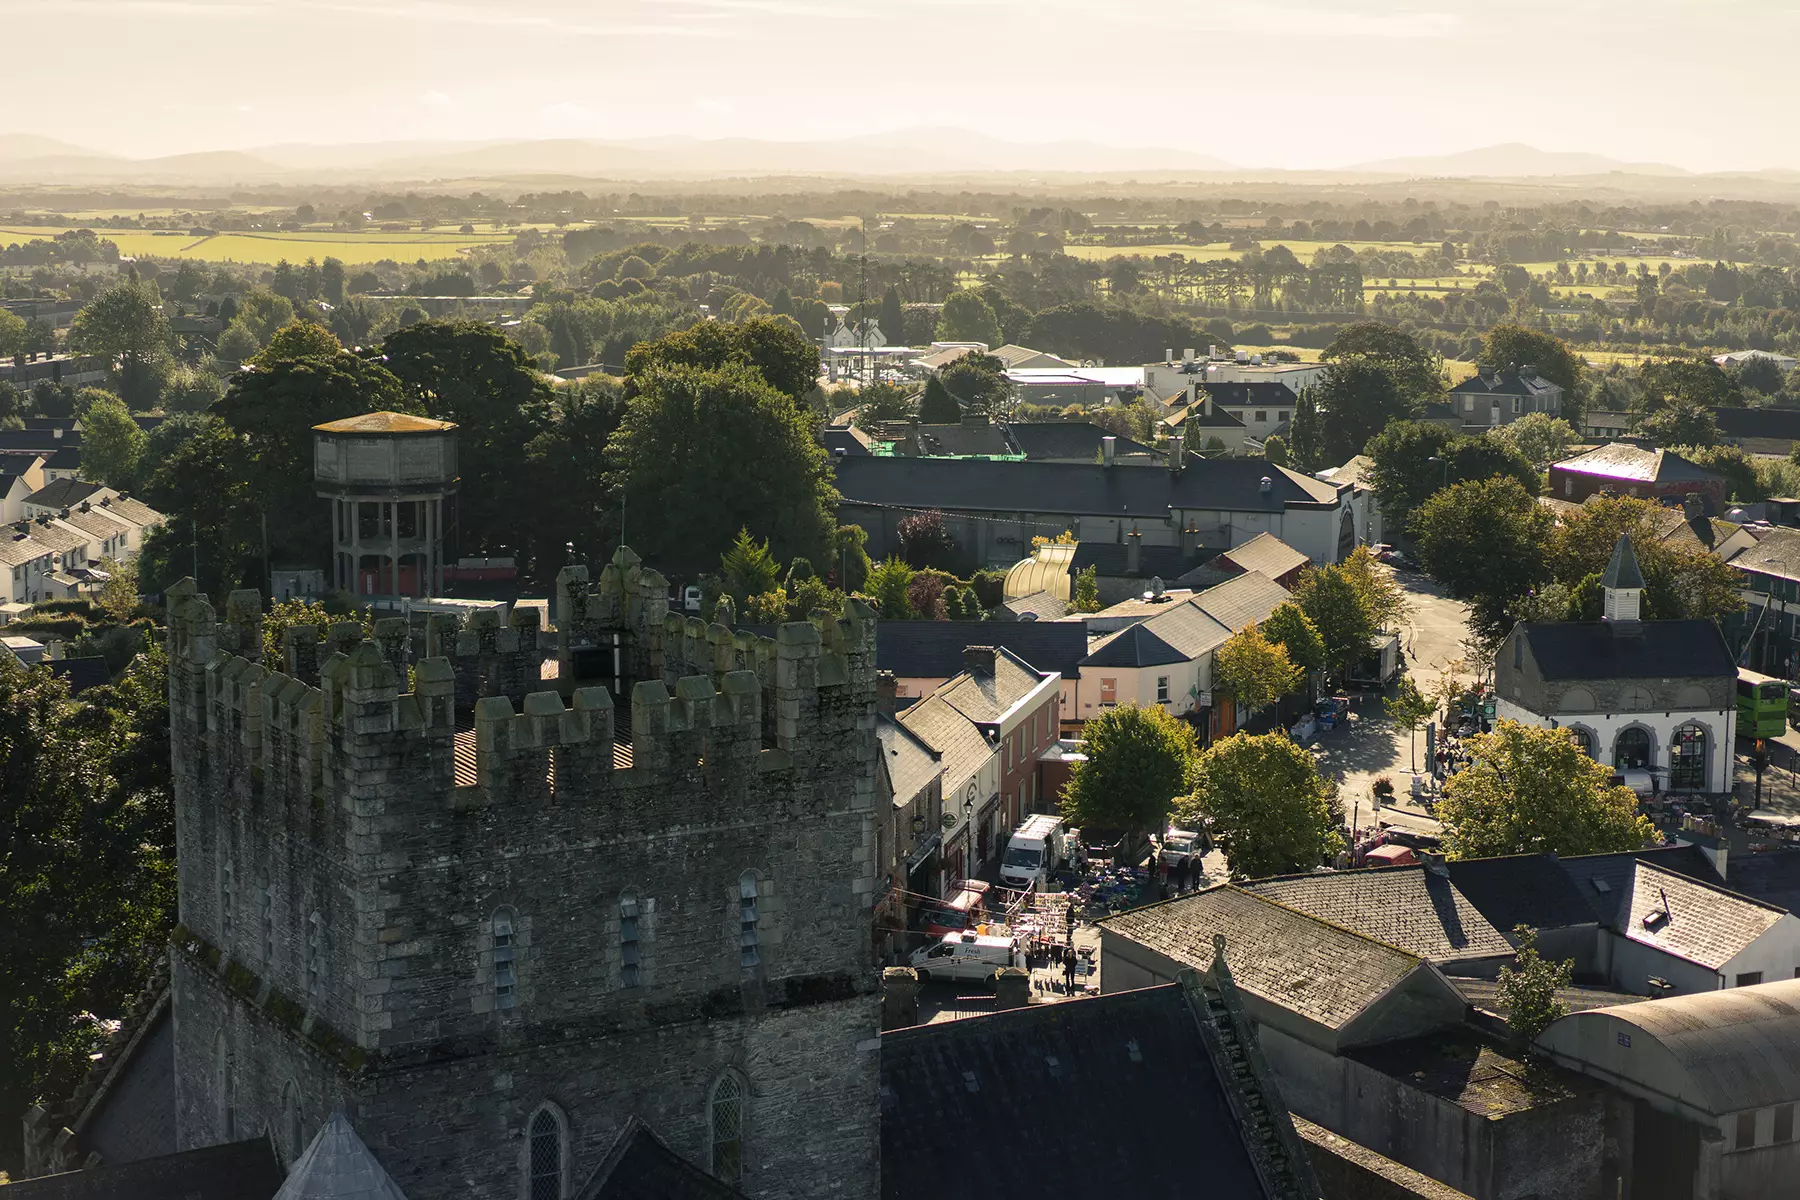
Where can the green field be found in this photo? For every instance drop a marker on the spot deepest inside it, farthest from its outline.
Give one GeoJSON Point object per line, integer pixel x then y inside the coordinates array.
{"type": "Point", "coordinates": [270, 248]}
{"type": "Point", "coordinates": [1301, 250]}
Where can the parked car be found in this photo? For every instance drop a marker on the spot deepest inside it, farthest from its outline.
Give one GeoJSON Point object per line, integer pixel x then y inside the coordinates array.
{"type": "Point", "coordinates": [1179, 848]}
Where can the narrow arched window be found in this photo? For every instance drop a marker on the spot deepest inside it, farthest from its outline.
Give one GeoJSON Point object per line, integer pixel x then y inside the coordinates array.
{"type": "Point", "coordinates": [315, 930]}
{"type": "Point", "coordinates": [725, 1125]}
{"type": "Point", "coordinates": [631, 971]}
{"type": "Point", "coordinates": [544, 1156]}
{"type": "Point", "coordinates": [506, 979]}
{"type": "Point", "coordinates": [290, 1121]}
{"type": "Point", "coordinates": [749, 943]}
{"type": "Point", "coordinates": [227, 900]}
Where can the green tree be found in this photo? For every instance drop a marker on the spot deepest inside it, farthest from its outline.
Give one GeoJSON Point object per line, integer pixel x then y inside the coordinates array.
{"type": "Point", "coordinates": [1271, 810]}
{"type": "Point", "coordinates": [1275, 450]}
{"type": "Point", "coordinates": [125, 324]}
{"type": "Point", "coordinates": [237, 344]}
{"type": "Point", "coordinates": [748, 569]}
{"type": "Point", "coordinates": [850, 558]}
{"type": "Point", "coordinates": [966, 317]}
{"type": "Point", "coordinates": [291, 614]}
{"type": "Point", "coordinates": [701, 454]}
{"type": "Point", "coordinates": [191, 390]}
{"type": "Point", "coordinates": [1330, 600]}
{"type": "Point", "coordinates": [938, 406]}
{"type": "Point", "coordinates": [1307, 434]}
{"type": "Point", "coordinates": [1416, 372]}
{"type": "Point", "coordinates": [1356, 400]}
{"type": "Point", "coordinates": [111, 444]}
{"type": "Point", "coordinates": [262, 314]}
{"type": "Point", "coordinates": [781, 354]}
{"type": "Point", "coordinates": [1085, 592]}
{"type": "Point", "coordinates": [1252, 670]}
{"type": "Point", "coordinates": [1533, 791]}
{"type": "Point", "coordinates": [578, 509]}
{"type": "Point", "coordinates": [1528, 991]}
{"type": "Point", "coordinates": [202, 484]}
{"type": "Point", "coordinates": [1539, 438]}
{"type": "Point", "coordinates": [893, 317]}
{"type": "Point", "coordinates": [298, 339]}
{"type": "Point", "coordinates": [1138, 761]}
{"type": "Point", "coordinates": [1487, 542]}
{"type": "Point", "coordinates": [1681, 582]}
{"type": "Point", "coordinates": [1680, 424]}
{"type": "Point", "coordinates": [884, 402]}
{"type": "Point", "coordinates": [978, 381]}
{"type": "Point", "coordinates": [1410, 708]}
{"type": "Point", "coordinates": [890, 586]}
{"type": "Point", "coordinates": [1694, 381]}
{"type": "Point", "coordinates": [13, 333]}
{"type": "Point", "coordinates": [1290, 628]}
{"type": "Point", "coordinates": [1509, 347]}
{"type": "Point", "coordinates": [1382, 599]}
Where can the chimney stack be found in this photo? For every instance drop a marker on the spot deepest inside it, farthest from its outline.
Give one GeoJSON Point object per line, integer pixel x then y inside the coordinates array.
{"type": "Point", "coordinates": [1109, 450]}
{"type": "Point", "coordinates": [978, 660]}
{"type": "Point", "coordinates": [1177, 453]}
{"type": "Point", "coordinates": [887, 693]}
{"type": "Point", "coordinates": [1134, 553]}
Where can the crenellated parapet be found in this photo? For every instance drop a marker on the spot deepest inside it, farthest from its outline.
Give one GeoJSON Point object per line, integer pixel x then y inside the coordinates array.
{"type": "Point", "coordinates": [623, 609]}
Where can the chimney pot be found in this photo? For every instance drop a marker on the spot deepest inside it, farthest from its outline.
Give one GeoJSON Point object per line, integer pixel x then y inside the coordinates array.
{"type": "Point", "coordinates": [1109, 450]}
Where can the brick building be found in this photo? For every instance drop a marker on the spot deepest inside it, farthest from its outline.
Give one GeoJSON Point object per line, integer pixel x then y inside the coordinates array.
{"type": "Point", "coordinates": [1626, 470]}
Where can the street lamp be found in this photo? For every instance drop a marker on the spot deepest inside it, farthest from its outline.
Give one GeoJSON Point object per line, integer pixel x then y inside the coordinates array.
{"type": "Point", "coordinates": [969, 833]}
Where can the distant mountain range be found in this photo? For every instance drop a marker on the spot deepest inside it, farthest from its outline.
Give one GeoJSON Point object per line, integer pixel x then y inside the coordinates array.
{"type": "Point", "coordinates": [916, 153]}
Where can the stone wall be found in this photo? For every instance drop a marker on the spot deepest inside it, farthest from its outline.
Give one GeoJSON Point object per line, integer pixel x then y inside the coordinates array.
{"type": "Point", "coordinates": [346, 851]}
{"type": "Point", "coordinates": [1348, 1171]}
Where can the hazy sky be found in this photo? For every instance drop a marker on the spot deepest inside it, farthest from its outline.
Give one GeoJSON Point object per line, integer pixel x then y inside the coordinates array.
{"type": "Point", "coordinates": [1306, 83]}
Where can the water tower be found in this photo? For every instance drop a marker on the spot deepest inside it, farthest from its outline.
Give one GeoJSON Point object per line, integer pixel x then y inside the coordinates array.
{"type": "Point", "coordinates": [386, 475]}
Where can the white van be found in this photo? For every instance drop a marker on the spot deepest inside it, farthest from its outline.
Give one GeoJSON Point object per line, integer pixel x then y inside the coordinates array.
{"type": "Point", "coordinates": [1034, 851]}
{"type": "Point", "coordinates": [966, 956]}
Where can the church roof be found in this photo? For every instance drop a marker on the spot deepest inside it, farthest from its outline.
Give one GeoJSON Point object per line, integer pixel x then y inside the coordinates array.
{"type": "Point", "coordinates": [640, 1167]}
{"type": "Point", "coordinates": [337, 1166]}
{"type": "Point", "coordinates": [1622, 571]}
{"type": "Point", "coordinates": [246, 1170]}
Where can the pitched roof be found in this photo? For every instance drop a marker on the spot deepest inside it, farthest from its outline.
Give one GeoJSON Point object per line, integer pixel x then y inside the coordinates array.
{"type": "Point", "coordinates": [640, 1166]}
{"type": "Point", "coordinates": [50, 533]}
{"type": "Point", "coordinates": [1621, 460]}
{"type": "Point", "coordinates": [1252, 393]}
{"type": "Point", "coordinates": [17, 548]}
{"type": "Point", "coordinates": [1605, 880]}
{"type": "Point", "coordinates": [1246, 600]}
{"type": "Point", "coordinates": [1140, 608]}
{"type": "Point", "coordinates": [385, 422]}
{"type": "Point", "coordinates": [979, 485]}
{"type": "Point", "coordinates": [961, 746]}
{"type": "Point", "coordinates": [1012, 355]}
{"type": "Point", "coordinates": [41, 441]}
{"type": "Point", "coordinates": [1411, 907]}
{"type": "Point", "coordinates": [1503, 383]}
{"type": "Point", "coordinates": [1622, 571]}
{"type": "Point", "coordinates": [338, 1166]}
{"type": "Point", "coordinates": [1068, 439]}
{"type": "Point", "coordinates": [1179, 633]}
{"type": "Point", "coordinates": [1773, 878]}
{"type": "Point", "coordinates": [66, 492]}
{"type": "Point", "coordinates": [131, 510]}
{"type": "Point", "coordinates": [1760, 421]}
{"type": "Point", "coordinates": [911, 764]}
{"type": "Point", "coordinates": [1702, 924]}
{"type": "Point", "coordinates": [1134, 646]}
{"type": "Point", "coordinates": [1266, 553]}
{"type": "Point", "coordinates": [845, 439]}
{"type": "Point", "coordinates": [934, 649]}
{"type": "Point", "coordinates": [1113, 560]}
{"type": "Point", "coordinates": [1288, 958]}
{"type": "Point", "coordinates": [964, 437]}
{"type": "Point", "coordinates": [1039, 606]}
{"type": "Point", "coordinates": [1583, 650]}
{"type": "Point", "coordinates": [1521, 889]}
{"type": "Point", "coordinates": [1776, 552]}
{"type": "Point", "coordinates": [1155, 1100]}
{"type": "Point", "coordinates": [95, 522]}
{"type": "Point", "coordinates": [983, 696]}
{"type": "Point", "coordinates": [246, 1170]}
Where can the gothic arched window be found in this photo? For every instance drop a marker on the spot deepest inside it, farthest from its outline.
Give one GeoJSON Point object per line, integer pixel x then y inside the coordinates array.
{"type": "Point", "coordinates": [725, 1127]}
{"type": "Point", "coordinates": [545, 1155]}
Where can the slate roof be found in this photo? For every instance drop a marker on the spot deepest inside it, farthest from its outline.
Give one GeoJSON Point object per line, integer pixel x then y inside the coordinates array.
{"type": "Point", "coordinates": [979, 485]}
{"type": "Point", "coordinates": [336, 1165]}
{"type": "Point", "coordinates": [1311, 967]}
{"type": "Point", "coordinates": [1776, 553]}
{"type": "Point", "coordinates": [1266, 553]}
{"type": "Point", "coordinates": [66, 459]}
{"type": "Point", "coordinates": [1180, 633]}
{"type": "Point", "coordinates": [385, 422]}
{"type": "Point", "coordinates": [1675, 527]}
{"type": "Point", "coordinates": [1758, 422]}
{"type": "Point", "coordinates": [640, 1166]}
{"type": "Point", "coordinates": [1617, 871]}
{"type": "Point", "coordinates": [1252, 394]}
{"type": "Point", "coordinates": [1584, 650]}
{"type": "Point", "coordinates": [842, 439]}
{"type": "Point", "coordinates": [247, 1170]}
{"type": "Point", "coordinates": [17, 548]}
{"type": "Point", "coordinates": [47, 533]}
{"type": "Point", "coordinates": [1112, 560]}
{"type": "Point", "coordinates": [130, 509]}
{"type": "Point", "coordinates": [64, 493]}
{"type": "Point", "coordinates": [1773, 878]}
{"type": "Point", "coordinates": [1521, 889]}
{"type": "Point", "coordinates": [985, 697]}
{"type": "Point", "coordinates": [1068, 439]}
{"type": "Point", "coordinates": [1621, 460]}
{"type": "Point", "coordinates": [1410, 907]}
{"type": "Point", "coordinates": [1622, 571]}
{"type": "Point", "coordinates": [962, 438]}
{"type": "Point", "coordinates": [1153, 1109]}
{"type": "Point", "coordinates": [1134, 646]}
{"type": "Point", "coordinates": [962, 748]}
{"type": "Point", "coordinates": [1246, 600]}
{"type": "Point", "coordinates": [1503, 383]}
{"type": "Point", "coordinates": [96, 522]}
{"type": "Point", "coordinates": [911, 764]}
{"type": "Point", "coordinates": [1039, 606]}
{"type": "Point", "coordinates": [934, 649]}
{"type": "Point", "coordinates": [1702, 924]}
{"type": "Point", "coordinates": [1137, 606]}
{"type": "Point", "coordinates": [40, 441]}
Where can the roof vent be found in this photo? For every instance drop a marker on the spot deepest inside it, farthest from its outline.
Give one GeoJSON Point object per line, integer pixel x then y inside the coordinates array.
{"type": "Point", "coordinates": [1600, 885]}
{"type": "Point", "coordinates": [1267, 485]}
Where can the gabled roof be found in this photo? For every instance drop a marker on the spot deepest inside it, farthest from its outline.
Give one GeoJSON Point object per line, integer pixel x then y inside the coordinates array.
{"type": "Point", "coordinates": [981, 696]}
{"type": "Point", "coordinates": [964, 437]}
{"type": "Point", "coordinates": [845, 439]}
{"type": "Point", "coordinates": [1287, 958]}
{"type": "Point", "coordinates": [1080, 440]}
{"type": "Point", "coordinates": [385, 422]}
{"type": "Point", "coordinates": [1410, 907]}
{"type": "Point", "coordinates": [1773, 878]}
{"type": "Point", "coordinates": [246, 1170]}
{"type": "Point", "coordinates": [41, 441]}
{"type": "Point", "coordinates": [980, 485]}
{"type": "Point", "coordinates": [131, 510]}
{"type": "Point", "coordinates": [1692, 920]}
{"type": "Point", "coordinates": [1621, 460]}
{"type": "Point", "coordinates": [911, 764]}
{"type": "Point", "coordinates": [65, 493]}
{"type": "Point", "coordinates": [934, 649]}
{"type": "Point", "coordinates": [338, 1166]}
{"type": "Point", "coordinates": [1013, 356]}
{"type": "Point", "coordinates": [1247, 600]}
{"type": "Point", "coordinates": [95, 522]}
{"type": "Point", "coordinates": [1591, 650]}
{"type": "Point", "coordinates": [1266, 553]}
{"type": "Point", "coordinates": [18, 548]}
{"type": "Point", "coordinates": [1161, 1100]}
{"type": "Point", "coordinates": [1503, 383]}
{"type": "Point", "coordinates": [1521, 889]}
{"type": "Point", "coordinates": [1180, 633]}
{"type": "Point", "coordinates": [1134, 646]}
{"type": "Point", "coordinates": [1776, 552]}
{"type": "Point", "coordinates": [1039, 606]}
{"type": "Point", "coordinates": [640, 1166]}
{"type": "Point", "coordinates": [961, 746]}
{"type": "Point", "coordinates": [52, 534]}
{"type": "Point", "coordinates": [1761, 421]}
{"type": "Point", "coordinates": [1605, 880]}
{"type": "Point", "coordinates": [1270, 393]}
{"type": "Point", "coordinates": [1113, 560]}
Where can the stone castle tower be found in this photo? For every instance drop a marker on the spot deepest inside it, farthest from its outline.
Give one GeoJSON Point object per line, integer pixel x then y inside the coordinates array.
{"type": "Point", "coordinates": [492, 933]}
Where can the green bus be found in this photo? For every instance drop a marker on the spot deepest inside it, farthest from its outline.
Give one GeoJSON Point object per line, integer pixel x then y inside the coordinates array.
{"type": "Point", "coordinates": [1762, 703]}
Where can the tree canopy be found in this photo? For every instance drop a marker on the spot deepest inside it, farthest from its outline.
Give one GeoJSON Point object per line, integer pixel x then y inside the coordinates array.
{"type": "Point", "coordinates": [1487, 542]}
{"type": "Point", "coordinates": [1138, 761]}
{"type": "Point", "coordinates": [1356, 399]}
{"type": "Point", "coordinates": [1415, 372]}
{"type": "Point", "coordinates": [781, 354]}
{"type": "Point", "coordinates": [125, 323]}
{"type": "Point", "coordinates": [1330, 600]}
{"type": "Point", "coordinates": [1509, 347]}
{"type": "Point", "coordinates": [1271, 810]}
{"type": "Point", "coordinates": [1528, 790]}
{"type": "Point", "coordinates": [1290, 628]}
{"type": "Point", "coordinates": [967, 317]}
{"type": "Point", "coordinates": [1254, 671]}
